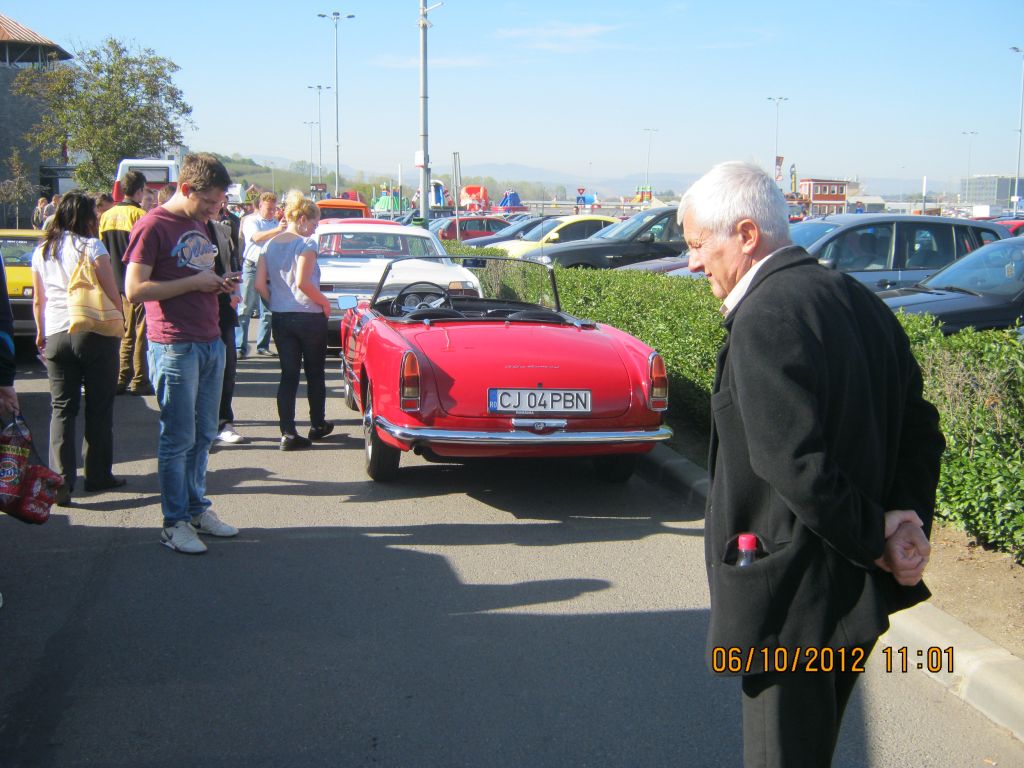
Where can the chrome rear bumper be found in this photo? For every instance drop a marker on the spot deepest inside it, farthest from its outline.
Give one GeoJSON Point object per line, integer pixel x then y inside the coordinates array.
{"type": "Point", "coordinates": [520, 437]}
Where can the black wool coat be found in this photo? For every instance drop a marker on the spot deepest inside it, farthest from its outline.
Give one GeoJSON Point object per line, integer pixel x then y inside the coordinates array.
{"type": "Point", "coordinates": [819, 427]}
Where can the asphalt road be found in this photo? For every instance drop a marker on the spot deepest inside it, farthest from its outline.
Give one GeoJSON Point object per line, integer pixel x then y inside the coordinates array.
{"type": "Point", "coordinates": [492, 614]}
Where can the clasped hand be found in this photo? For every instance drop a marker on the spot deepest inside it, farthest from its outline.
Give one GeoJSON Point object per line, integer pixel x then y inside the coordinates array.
{"type": "Point", "coordinates": [907, 549]}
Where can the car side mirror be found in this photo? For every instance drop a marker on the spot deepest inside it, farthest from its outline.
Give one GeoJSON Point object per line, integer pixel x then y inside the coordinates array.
{"type": "Point", "coordinates": [519, 235]}
{"type": "Point", "coordinates": [827, 263]}
{"type": "Point", "coordinates": [552, 237]}
{"type": "Point", "coordinates": [646, 237]}
{"type": "Point", "coordinates": [347, 302]}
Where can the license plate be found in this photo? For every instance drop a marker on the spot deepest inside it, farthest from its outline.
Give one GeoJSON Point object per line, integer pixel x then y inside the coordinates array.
{"type": "Point", "coordinates": [538, 400]}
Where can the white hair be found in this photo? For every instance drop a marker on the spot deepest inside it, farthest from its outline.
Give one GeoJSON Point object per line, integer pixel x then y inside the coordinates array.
{"type": "Point", "coordinates": [733, 191]}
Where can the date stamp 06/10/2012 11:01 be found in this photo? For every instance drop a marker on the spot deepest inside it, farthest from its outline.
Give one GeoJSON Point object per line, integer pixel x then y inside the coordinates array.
{"type": "Point", "coordinates": [738, 660]}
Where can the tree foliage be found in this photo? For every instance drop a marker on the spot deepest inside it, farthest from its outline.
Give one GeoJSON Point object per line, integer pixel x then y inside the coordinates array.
{"type": "Point", "coordinates": [112, 102]}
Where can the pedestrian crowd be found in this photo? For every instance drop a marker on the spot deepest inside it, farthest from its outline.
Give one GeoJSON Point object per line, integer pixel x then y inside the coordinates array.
{"type": "Point", "coordinates": [188, 276]}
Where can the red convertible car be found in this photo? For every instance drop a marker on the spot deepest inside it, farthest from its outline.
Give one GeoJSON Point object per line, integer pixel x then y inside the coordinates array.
{"type": "Point", "coordinates": [497, 369]}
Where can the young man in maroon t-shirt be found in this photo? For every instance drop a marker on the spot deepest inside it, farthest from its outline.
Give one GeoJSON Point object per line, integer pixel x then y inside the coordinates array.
{"type": "Point", "coordinates": [171, 269]}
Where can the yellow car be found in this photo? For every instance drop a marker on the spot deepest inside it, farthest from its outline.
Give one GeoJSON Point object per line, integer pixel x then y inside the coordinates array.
{"type": "Point", "coordinates": [16, 246]}
{"type": "Point", "coordinates": [562, 229]}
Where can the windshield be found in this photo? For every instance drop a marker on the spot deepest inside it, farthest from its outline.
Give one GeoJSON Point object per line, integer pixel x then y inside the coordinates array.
{"type": "Point", "coordinates": [17, 252]}
{"type": "Point", "coordinates": [624, 230]}
{"type": "Point", "coordinates": [525, 225]}
{"type": "Point", "coordinates": [804, 233]}
{"type": "Point", "coordinates": [537, 233]}
{"type": "Point", "coordinates": [478, 287]}
{"type": "Point", "coordinates": [341, 213]}
{"type": "Point", "coordinates": [997, 269]}
{"type": "Point", "coordinates": [376, 245]}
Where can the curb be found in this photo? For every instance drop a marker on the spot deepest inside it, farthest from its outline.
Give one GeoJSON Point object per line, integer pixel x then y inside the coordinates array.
{"type": "Point", "coordinates": [978, 671]}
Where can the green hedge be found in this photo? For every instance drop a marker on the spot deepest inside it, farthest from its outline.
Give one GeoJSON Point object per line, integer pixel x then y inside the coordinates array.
{"type": "Point", "coordinates": [675, 315]}
{"type": "Point", "coordinates": [975, 379]}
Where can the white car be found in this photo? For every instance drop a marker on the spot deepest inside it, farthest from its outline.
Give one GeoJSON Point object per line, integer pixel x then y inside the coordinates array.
{"type": "Point", "coordinates": [353, 256]}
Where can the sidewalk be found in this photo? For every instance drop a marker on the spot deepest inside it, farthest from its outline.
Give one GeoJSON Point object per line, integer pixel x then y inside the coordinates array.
{"type": "Point", "coordinates": [985, 675]}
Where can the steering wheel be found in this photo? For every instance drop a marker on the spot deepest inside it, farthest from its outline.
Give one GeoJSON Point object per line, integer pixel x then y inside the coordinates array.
{"type": "Point", "coordinates": [422, 295]}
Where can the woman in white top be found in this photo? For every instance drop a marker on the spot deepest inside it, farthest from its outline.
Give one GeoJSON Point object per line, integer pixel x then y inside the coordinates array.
{"type": "Point", "coordinates": [76, 359]}
{"type": "Point", "coordinates": [288, 280]}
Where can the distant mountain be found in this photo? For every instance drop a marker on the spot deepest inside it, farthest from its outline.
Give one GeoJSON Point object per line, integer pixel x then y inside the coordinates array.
{"type": "Point", "coordinates": [511, 173]}
{"type": "Point", "coordinates": [271, 161]}
{"type": "Point", "coordinates": [517, 172]}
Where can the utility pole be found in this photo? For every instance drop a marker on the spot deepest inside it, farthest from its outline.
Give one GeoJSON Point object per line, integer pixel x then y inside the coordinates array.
{"type": "Point", "coordinates": [650, 139]}
{"type": "Point", "coordinates": [967, 186]}
{"type": "Point", "coordinates": [1020, 133]}
{"type": "Point", "coordinates": [310, 123]}
{"type": "Point", "coordinates": [778, 117]}
{"type": "Point", "coordinates": [424, 25]}
{"type": "Point", "coordinates": [336, 17]}
{"type": "Point", "coordinates": [320, 132]}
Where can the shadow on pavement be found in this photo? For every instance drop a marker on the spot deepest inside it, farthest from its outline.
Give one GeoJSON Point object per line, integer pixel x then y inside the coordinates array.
{"type": "Point", "coordinates": [343, 645]}
{"type": "Point", "coordinates": [335, 646]}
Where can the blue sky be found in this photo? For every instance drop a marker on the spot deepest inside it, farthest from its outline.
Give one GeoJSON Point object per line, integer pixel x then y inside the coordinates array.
{"type": "Point", "coordinates": [875, 89]}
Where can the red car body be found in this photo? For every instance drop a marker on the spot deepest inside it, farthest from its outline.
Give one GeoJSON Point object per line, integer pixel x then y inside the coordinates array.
{"type": "Point", "coordinates": [470, 227]}
{"type": "Point", "coordinates": [492, 377]}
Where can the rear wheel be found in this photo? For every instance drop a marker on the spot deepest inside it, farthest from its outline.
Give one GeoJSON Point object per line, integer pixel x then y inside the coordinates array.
{"type": "Point", "coordinates": [381, 458]}
{"type": "Point", "coordinates": [616, 469]}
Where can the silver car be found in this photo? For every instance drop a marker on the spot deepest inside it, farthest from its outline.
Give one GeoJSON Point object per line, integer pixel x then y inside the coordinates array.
{"type": "Point", "coordinates": [886, 251]}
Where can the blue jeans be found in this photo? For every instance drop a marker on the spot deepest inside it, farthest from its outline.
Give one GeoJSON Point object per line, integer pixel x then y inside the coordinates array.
{"type": "Point", "coordinates": [187, 378]}
{"type": "Point", "coordinates": [251, 301]}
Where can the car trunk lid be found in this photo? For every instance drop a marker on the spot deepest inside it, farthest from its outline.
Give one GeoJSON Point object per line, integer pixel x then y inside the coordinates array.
{"type": "Point", "coordinates": [474, 364]}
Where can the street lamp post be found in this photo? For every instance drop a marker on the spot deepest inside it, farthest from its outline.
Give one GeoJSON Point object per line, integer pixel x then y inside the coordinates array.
{"type": "Point", "coordinates": [1020, 131]}
{"type": "Point", "coordinates": [424, 25]}
{"type": "Point", "coordinates": [778, 116]}
{"type": "Point", "coordinates": [310, 123]}
{"type": "Point", "coordinates": [650, 138]}
{"type": "Point", "coordinates": [335, 17]}
{"type": "Point", "coordinates": [967, 187]}
{"type": "Point", "coordinates": [320, 131]}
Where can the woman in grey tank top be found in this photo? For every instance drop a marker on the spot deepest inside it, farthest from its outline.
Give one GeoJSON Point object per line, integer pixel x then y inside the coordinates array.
{"type": "Point", "coordinates": [288, 279]}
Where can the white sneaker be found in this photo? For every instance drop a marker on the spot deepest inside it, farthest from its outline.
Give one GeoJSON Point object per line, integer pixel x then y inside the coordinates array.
{"type": "Point", "coordinates": [211, 525]}
{"type": "Point", "coordinates": [182, 537]}
{"type": "Point", "coordinates": [229, 436]}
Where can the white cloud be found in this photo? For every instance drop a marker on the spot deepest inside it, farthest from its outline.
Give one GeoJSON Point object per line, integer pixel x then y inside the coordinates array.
{"type": "Point", "coordinates": [413, 62]}
{"type": "Point", "coordinates": [560, 37]}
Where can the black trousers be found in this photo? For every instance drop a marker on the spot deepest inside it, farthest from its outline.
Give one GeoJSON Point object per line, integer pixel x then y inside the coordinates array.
{"type": "Point", "coordinates": [227, 392]}
{"type": "Point", "coordinates": [792, 719]}
{"type": "Point", "coordinates": [74, 360]}
{"type": "Point", "coordinates": [301, 339]}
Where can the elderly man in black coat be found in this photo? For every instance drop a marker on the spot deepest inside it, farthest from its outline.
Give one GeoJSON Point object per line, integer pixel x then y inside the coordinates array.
{"type": "Point", "coordinates": [823, 447]}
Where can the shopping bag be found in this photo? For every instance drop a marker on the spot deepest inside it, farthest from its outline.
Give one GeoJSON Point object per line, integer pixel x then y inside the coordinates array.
{"type": "Point", "coordinates": [15, 447]}
{"type": "Point", "coordinates": [37, 485]}
{"type": "Point", "coordinates": [39, 490]}
{"type": "Point", "coordinates": [89, 307]}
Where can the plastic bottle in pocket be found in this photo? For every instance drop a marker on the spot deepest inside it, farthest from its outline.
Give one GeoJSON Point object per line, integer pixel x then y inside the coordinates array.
{"type": "Point", "coordinates": [746, 550]}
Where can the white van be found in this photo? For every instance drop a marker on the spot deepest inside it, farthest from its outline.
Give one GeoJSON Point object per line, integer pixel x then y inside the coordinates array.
{"type": "Point", "coordinates": [158, 173]}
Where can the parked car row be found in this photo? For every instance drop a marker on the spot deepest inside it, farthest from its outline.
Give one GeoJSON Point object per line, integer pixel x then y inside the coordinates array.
{"type": "Point", "coordinates": [645, 236]}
